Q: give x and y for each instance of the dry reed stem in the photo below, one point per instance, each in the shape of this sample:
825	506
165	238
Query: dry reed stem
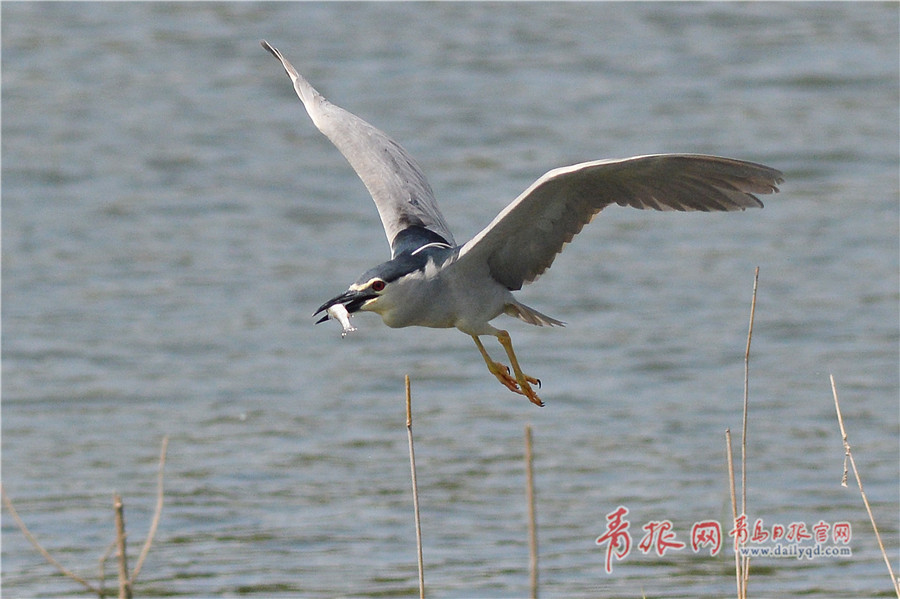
849	455
532	520
415	489
126	584
729	458
155	522
102	574
746	561
31	538
121	553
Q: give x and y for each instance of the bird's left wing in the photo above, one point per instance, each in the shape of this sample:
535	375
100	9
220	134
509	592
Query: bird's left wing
523	240
402	194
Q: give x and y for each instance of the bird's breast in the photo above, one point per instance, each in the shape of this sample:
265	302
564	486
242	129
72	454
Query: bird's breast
445	301
419	302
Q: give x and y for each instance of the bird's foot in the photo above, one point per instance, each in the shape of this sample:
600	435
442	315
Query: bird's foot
521	386
527	391
501	371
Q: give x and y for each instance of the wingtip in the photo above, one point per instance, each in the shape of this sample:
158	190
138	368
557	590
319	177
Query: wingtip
266	45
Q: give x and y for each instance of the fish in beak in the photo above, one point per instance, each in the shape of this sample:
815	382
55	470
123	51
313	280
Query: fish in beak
341	307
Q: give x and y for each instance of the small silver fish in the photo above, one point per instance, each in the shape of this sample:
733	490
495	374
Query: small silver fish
339	313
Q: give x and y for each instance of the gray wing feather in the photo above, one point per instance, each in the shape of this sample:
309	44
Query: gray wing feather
524	239
394	179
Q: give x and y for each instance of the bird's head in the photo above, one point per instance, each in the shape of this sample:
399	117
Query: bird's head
364	293
378	289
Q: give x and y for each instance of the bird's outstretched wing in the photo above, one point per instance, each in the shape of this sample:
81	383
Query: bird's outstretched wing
402	195
523	240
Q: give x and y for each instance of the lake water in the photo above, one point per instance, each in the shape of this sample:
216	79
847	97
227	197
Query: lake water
171	218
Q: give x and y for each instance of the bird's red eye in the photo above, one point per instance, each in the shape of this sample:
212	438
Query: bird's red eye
378	285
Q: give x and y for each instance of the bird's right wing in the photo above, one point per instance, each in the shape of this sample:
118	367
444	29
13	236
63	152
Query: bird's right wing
402	195
523	240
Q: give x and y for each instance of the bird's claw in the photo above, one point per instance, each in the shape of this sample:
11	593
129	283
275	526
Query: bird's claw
520	386
532	396
501	371
526	390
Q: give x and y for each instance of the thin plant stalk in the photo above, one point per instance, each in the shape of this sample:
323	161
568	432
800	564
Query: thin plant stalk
746	560
126	582
159	504
415	489
747	396
848	455
103	558
31	538
729	458
532	520
121	553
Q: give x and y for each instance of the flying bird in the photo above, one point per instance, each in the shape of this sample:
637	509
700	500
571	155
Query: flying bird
432	281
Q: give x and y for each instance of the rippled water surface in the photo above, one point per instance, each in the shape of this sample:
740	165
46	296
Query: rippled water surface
171	218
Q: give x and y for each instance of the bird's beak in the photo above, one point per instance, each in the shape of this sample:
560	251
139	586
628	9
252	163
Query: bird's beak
351	299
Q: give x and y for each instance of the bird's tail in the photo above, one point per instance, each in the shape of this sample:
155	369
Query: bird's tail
531	316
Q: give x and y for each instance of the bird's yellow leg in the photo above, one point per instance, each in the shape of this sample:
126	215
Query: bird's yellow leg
497	369
522	378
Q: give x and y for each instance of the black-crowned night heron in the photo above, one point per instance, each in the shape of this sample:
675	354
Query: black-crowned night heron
431	281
